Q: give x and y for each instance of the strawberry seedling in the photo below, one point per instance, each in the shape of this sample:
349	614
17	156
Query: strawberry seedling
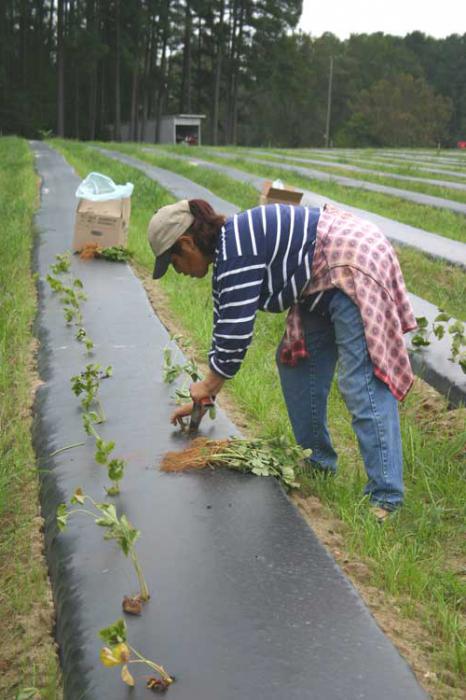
118	529
62	265
82	337
118	652
86	384
103	449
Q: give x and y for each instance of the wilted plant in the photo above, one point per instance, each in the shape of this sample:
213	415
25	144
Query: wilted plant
118	652
118	529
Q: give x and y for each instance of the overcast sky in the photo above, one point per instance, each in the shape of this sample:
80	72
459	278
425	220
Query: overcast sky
399	17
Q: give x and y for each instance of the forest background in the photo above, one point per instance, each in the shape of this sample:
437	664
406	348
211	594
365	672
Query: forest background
81	68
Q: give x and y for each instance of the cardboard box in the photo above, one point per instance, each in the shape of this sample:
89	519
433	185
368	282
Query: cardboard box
272	195
104	223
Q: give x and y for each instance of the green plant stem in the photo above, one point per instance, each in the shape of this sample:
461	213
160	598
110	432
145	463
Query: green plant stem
144	590
101	411
155	667
68	447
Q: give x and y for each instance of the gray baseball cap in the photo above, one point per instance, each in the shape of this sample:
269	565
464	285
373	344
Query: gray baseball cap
165	227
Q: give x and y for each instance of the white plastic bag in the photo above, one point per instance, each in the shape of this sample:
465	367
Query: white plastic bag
278	185
100	188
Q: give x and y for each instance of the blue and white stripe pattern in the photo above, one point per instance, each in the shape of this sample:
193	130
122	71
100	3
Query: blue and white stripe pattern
263	261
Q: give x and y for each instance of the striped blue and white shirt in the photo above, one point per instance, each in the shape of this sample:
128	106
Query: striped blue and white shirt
262	261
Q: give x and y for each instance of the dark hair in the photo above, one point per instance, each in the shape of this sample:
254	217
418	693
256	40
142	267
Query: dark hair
205	227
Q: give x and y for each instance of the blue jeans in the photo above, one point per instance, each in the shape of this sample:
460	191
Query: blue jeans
339	336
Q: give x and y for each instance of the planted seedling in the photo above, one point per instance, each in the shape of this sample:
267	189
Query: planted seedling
118	529
118	652
82	337
86	385
62	265
103	449
70	296
456	329
172	370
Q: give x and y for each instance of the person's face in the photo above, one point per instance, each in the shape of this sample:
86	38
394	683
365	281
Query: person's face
188	259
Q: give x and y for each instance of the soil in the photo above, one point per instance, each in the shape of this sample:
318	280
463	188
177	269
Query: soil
409	636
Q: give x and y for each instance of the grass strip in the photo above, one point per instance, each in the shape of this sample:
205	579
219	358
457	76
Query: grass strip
434	280
418	556
446	223
412	186
27	651
409	169
380	155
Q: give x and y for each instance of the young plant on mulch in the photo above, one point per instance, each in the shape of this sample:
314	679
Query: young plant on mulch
103	449
82	337
272	457
71	297
116	528
118	652
172	370
86	385
440	327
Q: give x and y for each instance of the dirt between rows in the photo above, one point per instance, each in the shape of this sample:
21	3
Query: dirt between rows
409	636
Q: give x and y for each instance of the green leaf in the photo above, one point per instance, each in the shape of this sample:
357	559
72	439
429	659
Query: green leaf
114	634
439	331
113	490
422	322
442	317
116	469
457	328
418	341
62	517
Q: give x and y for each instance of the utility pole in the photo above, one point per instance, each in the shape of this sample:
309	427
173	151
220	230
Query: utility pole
329	104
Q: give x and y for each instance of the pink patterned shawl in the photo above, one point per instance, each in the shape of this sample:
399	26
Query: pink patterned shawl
353	255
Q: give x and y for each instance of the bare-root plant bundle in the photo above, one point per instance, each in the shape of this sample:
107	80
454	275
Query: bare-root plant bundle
263	457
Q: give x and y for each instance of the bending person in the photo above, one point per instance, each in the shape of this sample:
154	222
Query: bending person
341	281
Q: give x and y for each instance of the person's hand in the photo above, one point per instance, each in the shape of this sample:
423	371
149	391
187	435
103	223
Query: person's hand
208	388
181	412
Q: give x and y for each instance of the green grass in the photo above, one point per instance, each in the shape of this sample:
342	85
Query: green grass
374	156
423	187
23	575
446	223
418	557
433	280
402	168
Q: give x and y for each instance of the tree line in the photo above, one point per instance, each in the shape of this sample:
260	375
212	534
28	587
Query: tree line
82	68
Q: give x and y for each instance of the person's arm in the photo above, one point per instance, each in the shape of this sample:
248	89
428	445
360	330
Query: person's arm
236	296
